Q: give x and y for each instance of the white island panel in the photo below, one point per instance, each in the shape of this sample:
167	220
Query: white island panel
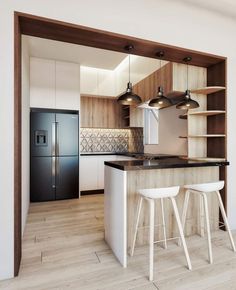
115	212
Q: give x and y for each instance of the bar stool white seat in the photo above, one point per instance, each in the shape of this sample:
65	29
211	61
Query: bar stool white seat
150	195
202	190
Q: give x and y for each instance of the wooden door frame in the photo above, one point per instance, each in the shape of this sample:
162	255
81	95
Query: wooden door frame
57	30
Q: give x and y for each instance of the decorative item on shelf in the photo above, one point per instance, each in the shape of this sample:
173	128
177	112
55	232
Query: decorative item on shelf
160	101
188	103
129	98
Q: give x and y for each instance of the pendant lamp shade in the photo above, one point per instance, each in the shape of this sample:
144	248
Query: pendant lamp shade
160	101
129	98
188	103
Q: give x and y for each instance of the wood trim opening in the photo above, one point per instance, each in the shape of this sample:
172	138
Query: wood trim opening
61	31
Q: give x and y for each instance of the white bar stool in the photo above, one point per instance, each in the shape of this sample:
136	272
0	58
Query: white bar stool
201	190
151	195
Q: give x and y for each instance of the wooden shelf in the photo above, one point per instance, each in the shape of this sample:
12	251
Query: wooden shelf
202	113
207	90
204	136
126	117
207	159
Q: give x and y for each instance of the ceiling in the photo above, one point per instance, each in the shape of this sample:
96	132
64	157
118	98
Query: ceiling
223	7
86	56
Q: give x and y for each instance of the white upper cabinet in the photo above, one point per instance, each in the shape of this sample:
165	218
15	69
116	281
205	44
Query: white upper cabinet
88	80
106	83
42	83
67	85
54	84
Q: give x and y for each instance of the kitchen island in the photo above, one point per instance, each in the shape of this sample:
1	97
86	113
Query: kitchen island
123	179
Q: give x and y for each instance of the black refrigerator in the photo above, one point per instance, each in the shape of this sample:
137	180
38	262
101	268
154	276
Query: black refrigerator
54	161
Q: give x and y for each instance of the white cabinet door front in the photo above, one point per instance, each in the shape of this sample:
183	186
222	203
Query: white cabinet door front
88	173
67	85
42	83
101	167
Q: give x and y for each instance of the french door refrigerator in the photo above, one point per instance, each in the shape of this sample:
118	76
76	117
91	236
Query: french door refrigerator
54	162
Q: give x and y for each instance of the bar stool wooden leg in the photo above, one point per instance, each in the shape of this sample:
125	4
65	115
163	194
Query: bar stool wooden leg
202	222
184	213
151	239
207	227
136	225
225	220
181	232
163	223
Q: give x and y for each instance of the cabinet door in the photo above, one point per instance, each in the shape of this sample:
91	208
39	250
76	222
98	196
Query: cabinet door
67	85
42	83
88	173
101	167
106	83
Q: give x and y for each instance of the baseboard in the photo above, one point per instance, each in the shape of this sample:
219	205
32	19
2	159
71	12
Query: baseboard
88	192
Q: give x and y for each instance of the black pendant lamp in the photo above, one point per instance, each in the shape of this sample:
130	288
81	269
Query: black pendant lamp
160	101
129	98
187	103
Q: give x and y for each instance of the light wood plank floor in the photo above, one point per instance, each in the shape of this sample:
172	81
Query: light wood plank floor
64	248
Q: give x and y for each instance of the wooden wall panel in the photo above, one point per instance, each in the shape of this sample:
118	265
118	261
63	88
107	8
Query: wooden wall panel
169	177
217	147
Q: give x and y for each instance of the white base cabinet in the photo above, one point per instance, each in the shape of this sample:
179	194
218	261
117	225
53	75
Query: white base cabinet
92	170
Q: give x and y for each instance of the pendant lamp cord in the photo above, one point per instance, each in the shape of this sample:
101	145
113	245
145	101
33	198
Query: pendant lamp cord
129	68
160	73
187	77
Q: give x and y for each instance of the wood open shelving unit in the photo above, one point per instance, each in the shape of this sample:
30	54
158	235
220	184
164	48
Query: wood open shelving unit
207	90
204	136
204	113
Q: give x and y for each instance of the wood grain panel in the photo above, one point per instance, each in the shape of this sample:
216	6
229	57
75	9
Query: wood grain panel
217	147
162	178
72	33
17	146
100	113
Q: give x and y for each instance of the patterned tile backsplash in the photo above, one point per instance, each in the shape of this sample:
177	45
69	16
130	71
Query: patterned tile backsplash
111	140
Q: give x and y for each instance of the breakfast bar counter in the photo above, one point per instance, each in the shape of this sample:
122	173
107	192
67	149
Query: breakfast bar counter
123	179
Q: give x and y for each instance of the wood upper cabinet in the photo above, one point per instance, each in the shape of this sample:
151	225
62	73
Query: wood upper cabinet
100	113
173	78
54	84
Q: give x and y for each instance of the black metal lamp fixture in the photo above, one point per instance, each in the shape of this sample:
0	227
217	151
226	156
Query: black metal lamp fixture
188	103
160	101
129	98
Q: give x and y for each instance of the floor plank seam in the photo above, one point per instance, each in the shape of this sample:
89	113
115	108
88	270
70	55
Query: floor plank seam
97	257
154	284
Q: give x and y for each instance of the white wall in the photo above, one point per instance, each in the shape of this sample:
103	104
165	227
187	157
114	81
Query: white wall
25	132
170	22
170	128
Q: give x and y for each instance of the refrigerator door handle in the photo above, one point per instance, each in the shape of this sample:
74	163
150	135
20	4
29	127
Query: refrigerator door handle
54	168
57	167
54	138
57	138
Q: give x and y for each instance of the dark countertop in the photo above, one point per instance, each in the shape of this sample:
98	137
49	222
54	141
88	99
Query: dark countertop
137	155
98	153
161	163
